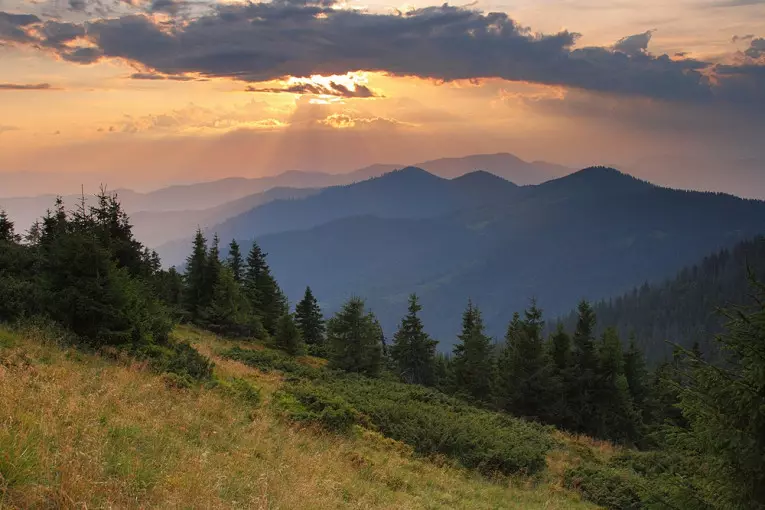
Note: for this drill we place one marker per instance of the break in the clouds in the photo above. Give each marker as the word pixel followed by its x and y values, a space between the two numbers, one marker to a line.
pixel 258 42
pixel 332 89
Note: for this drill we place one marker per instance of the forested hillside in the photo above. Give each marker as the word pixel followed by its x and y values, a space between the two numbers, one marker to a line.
pixel 685 309
pixel 593 234
pixel 687 433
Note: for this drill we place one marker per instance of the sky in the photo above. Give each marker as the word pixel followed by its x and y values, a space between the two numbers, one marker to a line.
pixel 144 93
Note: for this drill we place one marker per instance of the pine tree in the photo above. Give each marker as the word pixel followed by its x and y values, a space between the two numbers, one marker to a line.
pixel 637 375
pixel 523 371
pixel 559 360
pixel 7 232
pixel 228 311
pixel 413 351
pixel 288 335
pixel 235 261
pixel 309 319
pixel 473 362
pixel 583 382
pixel 615 417
pixel 724 407
pixel 196 277
pixel 267 299
pixel 353 337
pixel 213 267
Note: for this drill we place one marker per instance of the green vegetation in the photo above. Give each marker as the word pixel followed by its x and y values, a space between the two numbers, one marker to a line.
pixel 689 433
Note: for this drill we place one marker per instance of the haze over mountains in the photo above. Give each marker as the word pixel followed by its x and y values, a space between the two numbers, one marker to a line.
pixel 208 203
pixel 592 234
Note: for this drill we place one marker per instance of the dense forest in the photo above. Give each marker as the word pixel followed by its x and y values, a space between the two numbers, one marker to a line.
pixel 684 310
pixel 698 427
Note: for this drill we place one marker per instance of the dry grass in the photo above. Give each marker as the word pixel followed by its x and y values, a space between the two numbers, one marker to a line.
pixel 79 431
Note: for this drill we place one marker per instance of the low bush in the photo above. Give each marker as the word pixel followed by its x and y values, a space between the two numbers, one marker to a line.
pixel 302 403
pixel 268 360
pixel 178 358
pixel 605 486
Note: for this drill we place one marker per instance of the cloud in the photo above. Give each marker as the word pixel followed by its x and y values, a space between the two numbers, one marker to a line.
pixel 736 3
pixel 747 37
pixel 12 27
pixel 171 7
pixel 634 45
pixel 26 86
pixel 5 129
pixel 265 41
pixel 77 5
pixel 333 89
pixel 156 76
pixel 756 48
pixel 347 121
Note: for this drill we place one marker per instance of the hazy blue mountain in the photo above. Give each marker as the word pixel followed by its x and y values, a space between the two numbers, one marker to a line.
pixel 590 235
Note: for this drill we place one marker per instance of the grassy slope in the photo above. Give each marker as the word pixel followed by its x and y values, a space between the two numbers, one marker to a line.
pixel 79 430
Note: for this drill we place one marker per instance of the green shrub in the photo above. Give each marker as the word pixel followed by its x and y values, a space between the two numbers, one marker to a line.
pixel 306 404
pixel 240 388
pixel 177 358
pixel 267 360
pixel 605 486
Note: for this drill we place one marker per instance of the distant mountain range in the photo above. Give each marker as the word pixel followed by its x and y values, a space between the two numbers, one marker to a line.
pixel 168 213
pixel 592 234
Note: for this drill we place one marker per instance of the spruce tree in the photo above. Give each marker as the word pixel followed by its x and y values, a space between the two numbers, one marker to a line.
pixel 523 371
pixel 559 360
pixel 266 298
pixel 228 311
pixel 724 406
pixel 473 362
pixel 235 261
pixel 309 319
pixel 637 375
pixel 214 265
pixel 288 335
pixel 583 382
pixel 413 351
pixel 615 417
pixel 196 277
pixel 7 232
pixel 353 338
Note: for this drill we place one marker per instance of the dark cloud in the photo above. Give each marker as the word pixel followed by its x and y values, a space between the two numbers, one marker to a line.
pixel 12 27
pixel 84 55
pixel 26 86
pixel 634 45
pixel 747 37
pixel 171 7
pixel 736 3
pixel 155 76
pixel 77 5
pixel 334 89
pixel 258 42
pixel 756 48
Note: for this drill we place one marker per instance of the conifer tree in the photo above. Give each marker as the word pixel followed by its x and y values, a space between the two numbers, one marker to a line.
pixel 214 266
pixel 615 417
pixel 267 299
pixel 196 277
pixel 309 319
pixel 583 380
pixel 559 359
pixel 7 232
pixel 473 362
pixel 235 261
pixel 523 371
pixel 353 337
pixel 724 406
pixel 288 335
pixel 413 351
pixel 637 375
pixel 228 311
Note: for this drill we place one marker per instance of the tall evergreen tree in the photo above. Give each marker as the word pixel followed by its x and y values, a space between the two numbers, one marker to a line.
pixel 228 311
pixel 637 376
pixel 353 337
pixel 288 335
pixel 725 409
pixel 473 362
pixel 583 382
pixel 267 299
pixel 523 371
pixel 196 277
pixel 559 359
pixel 413 351
pixel 7 232
pixel 309 319
pixel 213 267
pixel 235 261
pixel 615 417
